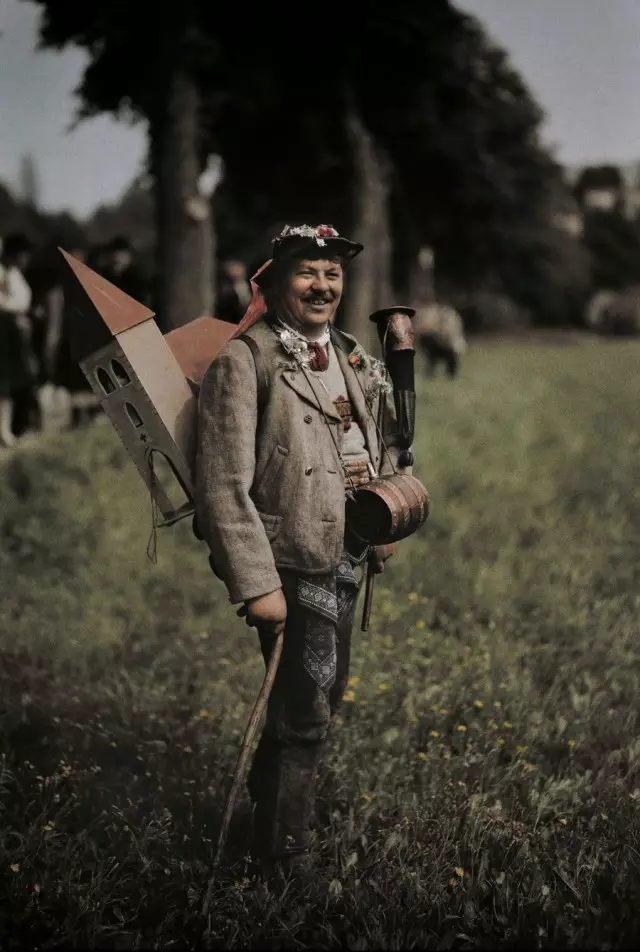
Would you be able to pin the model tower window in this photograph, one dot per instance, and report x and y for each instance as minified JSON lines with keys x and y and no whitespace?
{"x":120,"y":373}
{"x":105,"y":380}
{"x":167,"y":479}
{"x":133,"y":414}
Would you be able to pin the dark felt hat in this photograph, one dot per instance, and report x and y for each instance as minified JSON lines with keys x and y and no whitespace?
{"x":300,"y":240}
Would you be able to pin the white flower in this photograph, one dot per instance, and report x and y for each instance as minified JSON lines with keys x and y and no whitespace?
{"x":294,"y":344}
{"x":318,"y":234}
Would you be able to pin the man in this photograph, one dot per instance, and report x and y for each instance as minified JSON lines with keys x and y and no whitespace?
{"x":121,"y":269}
{"x":61,"y":370}
{"x":18,"y":368}
{"x":233,"y":291}
{"x":271,"y":479}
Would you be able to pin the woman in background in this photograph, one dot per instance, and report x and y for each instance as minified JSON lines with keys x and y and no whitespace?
{"x":18,"y":370}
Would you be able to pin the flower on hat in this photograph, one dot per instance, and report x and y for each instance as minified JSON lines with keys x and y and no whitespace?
{"x":318,"y":234}
{"x":326,"y":231}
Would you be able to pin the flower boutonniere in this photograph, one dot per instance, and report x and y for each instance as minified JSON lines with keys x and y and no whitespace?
{"x":375,"y":373}
{"x":294,"y":345}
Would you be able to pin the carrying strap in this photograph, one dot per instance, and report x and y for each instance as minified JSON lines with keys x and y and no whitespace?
{"x":261,"y":373}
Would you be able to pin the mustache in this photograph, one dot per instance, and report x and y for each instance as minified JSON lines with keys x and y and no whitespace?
{"x":319,"y":297}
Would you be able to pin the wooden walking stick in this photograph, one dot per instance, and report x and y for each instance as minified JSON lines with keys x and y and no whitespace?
{"x":243,"y":759}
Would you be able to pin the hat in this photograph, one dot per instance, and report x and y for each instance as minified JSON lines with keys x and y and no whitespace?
{"x":119,"y":243}
{"x":16,"y":244}
{"x":295,"y":240}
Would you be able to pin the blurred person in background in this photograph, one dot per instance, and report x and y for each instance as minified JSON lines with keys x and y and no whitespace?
{"x":233,"y":291}
{"x":60,"y":369}
{"x":121,"y":268}
{"x":18,"y":368}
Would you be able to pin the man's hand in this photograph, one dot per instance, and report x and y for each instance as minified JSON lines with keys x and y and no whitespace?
{"x":267,"y":612}
{"x":380,"y":556}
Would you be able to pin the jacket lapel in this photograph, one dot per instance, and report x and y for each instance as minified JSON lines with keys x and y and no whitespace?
{"x":363,"y":415}
{"x":309,"y":388}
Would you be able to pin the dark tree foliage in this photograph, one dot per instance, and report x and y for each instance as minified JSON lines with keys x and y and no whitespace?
{"x":470,"y":175}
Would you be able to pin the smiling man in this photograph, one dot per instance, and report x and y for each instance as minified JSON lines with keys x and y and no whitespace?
{"x":287,"y":426}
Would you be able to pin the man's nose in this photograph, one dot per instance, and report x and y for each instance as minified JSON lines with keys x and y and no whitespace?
{"x":320,"y":283}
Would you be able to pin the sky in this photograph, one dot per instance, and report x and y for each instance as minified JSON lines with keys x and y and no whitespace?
{"x":581,"y":59}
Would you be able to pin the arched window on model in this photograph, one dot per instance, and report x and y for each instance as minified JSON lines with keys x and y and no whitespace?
{"x":120,"y":373}
{"x":105,"y":380}
{"x":133,"y":414}
{"x":167,"y":480}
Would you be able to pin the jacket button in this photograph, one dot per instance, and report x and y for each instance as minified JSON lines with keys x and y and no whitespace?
{"x":308,"y":470}
{"x":308,"y":418}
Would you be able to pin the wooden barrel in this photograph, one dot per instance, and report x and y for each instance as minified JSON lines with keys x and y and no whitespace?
{"x":387,"y":509}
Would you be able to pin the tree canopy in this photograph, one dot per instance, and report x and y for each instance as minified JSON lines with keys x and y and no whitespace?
{"x":469,"y":173}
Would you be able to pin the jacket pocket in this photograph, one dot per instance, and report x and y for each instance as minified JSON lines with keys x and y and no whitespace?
{"x":271,"y":524}
{"x":274,"y":462}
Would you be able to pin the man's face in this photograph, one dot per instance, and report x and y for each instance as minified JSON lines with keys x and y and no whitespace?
{"x":235,"y":270}
{"x":23,"y":260}
{"x":310,"y":291}
{"x":121,"y":259}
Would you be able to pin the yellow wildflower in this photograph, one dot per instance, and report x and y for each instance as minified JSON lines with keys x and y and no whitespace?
{"x":500,"y":741}
{"x":413,"y":596}
{"x":443,"y":710}
{"x":459,"y":871}
{"x":349,"y":696}
{"x":521,"y":748}
{"x":421,"y":623}
{"x":434,"y":733}
{"x":530,"y":767}
{"x":15,"y":867}
{"x":423,"y":756}
{"x":353,"y":682}
{"x":434,"y":707}
{"x":383,"y":686}
{"x":447,"y":755}
{"x":461,"y":728}
{"x":478,"y":704}
{"x":507,"y":724}
{"x":493,"y":725}
{"x":572,"y":743}
{"x":367,"y":796}
{"x":413,"y":719}
{"x":497,"y":703}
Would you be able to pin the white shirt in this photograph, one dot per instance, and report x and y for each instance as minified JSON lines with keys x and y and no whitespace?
{"x":15,"y":293}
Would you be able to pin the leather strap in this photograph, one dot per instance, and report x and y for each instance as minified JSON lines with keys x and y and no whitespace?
{"x":261,"y":374}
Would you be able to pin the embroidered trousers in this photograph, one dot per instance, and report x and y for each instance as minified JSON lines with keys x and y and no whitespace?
{"x":309,"y":685}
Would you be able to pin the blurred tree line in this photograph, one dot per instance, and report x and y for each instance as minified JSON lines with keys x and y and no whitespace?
{"x":402,"y":124}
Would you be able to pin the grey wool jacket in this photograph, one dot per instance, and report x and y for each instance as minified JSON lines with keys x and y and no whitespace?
{"x":270,"y":495}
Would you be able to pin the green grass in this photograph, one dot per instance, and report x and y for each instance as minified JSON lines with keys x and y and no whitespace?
{"x":483,"y":784}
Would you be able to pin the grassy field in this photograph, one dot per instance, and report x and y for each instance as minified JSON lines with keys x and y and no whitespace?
{"x":483,"y":784}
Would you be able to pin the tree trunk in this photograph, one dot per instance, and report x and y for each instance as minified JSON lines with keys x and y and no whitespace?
{"x":185,"y":245}
{"x":369,"y":277}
